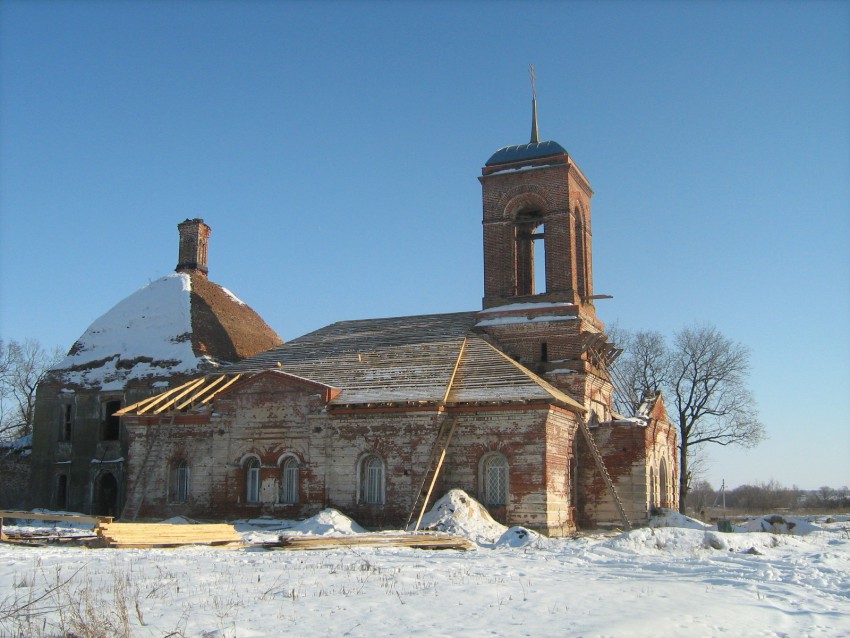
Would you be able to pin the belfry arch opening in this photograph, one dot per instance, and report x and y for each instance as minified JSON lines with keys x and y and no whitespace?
{"x":582,"y":270}
{"x":530,"y":253}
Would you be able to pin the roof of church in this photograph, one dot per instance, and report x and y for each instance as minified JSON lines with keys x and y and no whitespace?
{"x":182,"y":324}
{"x":534,"y":150}
{"x":419,"y":360}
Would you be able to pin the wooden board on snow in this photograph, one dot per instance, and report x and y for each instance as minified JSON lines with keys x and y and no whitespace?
{"x":415,"y":541}
{"x":145,"y":535}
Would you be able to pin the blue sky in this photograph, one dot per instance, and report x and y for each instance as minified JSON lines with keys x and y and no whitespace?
{"x":334,"y":149}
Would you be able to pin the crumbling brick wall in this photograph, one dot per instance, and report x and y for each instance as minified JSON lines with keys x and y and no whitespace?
{"x":268,"y":420}
{"x":16,"y":479}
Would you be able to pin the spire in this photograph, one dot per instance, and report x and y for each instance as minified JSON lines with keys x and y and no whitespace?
{"x":535,"y":134}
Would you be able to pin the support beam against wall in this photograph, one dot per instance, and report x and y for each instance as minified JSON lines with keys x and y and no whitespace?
{"x":600,"y":465}
{"x":436,"y":473}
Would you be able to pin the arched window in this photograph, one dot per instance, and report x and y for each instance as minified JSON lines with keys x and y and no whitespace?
{"x":494,"y":479}
{"x":530,"y":253}
{"x":252,"y":480}
{"x":371,"y":477}
{"x":651,"y":488}
{"x":662,"y":484}
{"x":289,"y":486}
{"x":581,"y":255}
{"x":178,"y":489}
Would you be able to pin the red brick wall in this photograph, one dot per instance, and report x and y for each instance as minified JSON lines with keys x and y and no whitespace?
{"x":559,"y":193}
{"x":268,"y":419}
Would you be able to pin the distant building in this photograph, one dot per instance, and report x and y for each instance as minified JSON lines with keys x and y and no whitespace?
{"x":511,"y":403}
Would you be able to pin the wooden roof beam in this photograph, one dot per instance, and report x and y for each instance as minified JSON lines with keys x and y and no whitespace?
{"x":191,"y":386}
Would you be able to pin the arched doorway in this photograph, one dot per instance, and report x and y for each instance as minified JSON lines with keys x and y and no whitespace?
{"x":105,"y":502}
{"x":662,"y":483}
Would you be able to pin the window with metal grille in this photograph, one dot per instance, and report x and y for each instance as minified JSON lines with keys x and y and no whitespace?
{"x":180,"y":482}
{"x":289,"y":481}
{"x":252,"y":480}
{"x":495,"y":476}
{"x":372,"y":481}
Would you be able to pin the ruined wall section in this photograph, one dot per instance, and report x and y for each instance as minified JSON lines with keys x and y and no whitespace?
{"x":662,"y":454}
{"x":266,"y":420}
{"x":82,"y":451}
{"x":561,"y":430}
{"x":623,"y":449}
{"x":16,"y":479}
{"x":519,"y":436}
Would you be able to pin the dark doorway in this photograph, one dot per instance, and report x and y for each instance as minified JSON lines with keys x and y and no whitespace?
{"x":106,"y":495}
{"x":61,"y":492}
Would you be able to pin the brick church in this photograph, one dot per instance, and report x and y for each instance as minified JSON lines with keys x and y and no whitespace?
{"x":377,"y":418}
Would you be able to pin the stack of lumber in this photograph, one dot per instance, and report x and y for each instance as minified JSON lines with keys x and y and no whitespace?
{"x":416,"y":541}
{"x":144,"y":535}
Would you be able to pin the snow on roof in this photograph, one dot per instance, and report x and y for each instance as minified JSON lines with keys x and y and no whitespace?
{"x":148,"y":334}
{"x":503,"y":321}
{"x":534,"y":305}
{"x":233,"y":297}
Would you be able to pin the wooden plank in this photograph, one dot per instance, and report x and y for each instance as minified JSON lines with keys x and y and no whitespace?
{"x":413,"y":541}
{"x":150,"y":401}
{"x":42,"y":516}
{"x":200,"y":392}
{"x":436,"y":473}
{"x":454,"y":372}
{"x":191,"y":387}
{"x":221,"y":389}
{"x":166,"y":534}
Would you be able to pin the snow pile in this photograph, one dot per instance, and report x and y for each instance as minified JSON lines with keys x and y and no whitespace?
{"x":265,"y":529}
{"x":179,"y":520}
{"x":327,"y":522}
{"x":147,"y":334}
{"x":680,"y":541}
{"x":522,"y":537}
{"x":459,"y":514}
{"x":648,"y":540}
{"x":776,"y":524}
{"x":672,"y":518}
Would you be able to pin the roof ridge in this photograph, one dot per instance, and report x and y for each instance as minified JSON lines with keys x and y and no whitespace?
{"x":556,"y":393}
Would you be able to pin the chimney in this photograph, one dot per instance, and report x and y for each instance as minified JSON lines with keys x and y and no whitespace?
{"x":194,"y":245}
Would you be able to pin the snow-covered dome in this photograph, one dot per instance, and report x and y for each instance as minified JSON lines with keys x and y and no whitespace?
{"x":181,"y":324}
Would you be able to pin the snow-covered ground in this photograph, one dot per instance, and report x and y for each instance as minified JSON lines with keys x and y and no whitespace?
{"x":677,"y":578}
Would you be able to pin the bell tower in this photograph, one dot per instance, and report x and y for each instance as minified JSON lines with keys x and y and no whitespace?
{"x":537,"y":239}
{"x":538,"y":276}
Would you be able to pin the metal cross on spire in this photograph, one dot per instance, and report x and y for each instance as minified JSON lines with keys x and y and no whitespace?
{"x":533,"y":78}
{"x":535,"y":134}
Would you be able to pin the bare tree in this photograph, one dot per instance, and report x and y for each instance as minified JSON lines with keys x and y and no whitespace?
{"x":703,"y":377}
{"x":22,"y":367}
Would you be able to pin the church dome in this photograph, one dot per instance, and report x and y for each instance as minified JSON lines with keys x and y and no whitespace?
{"x":182,"y":324}
{"x":524,"y":152}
